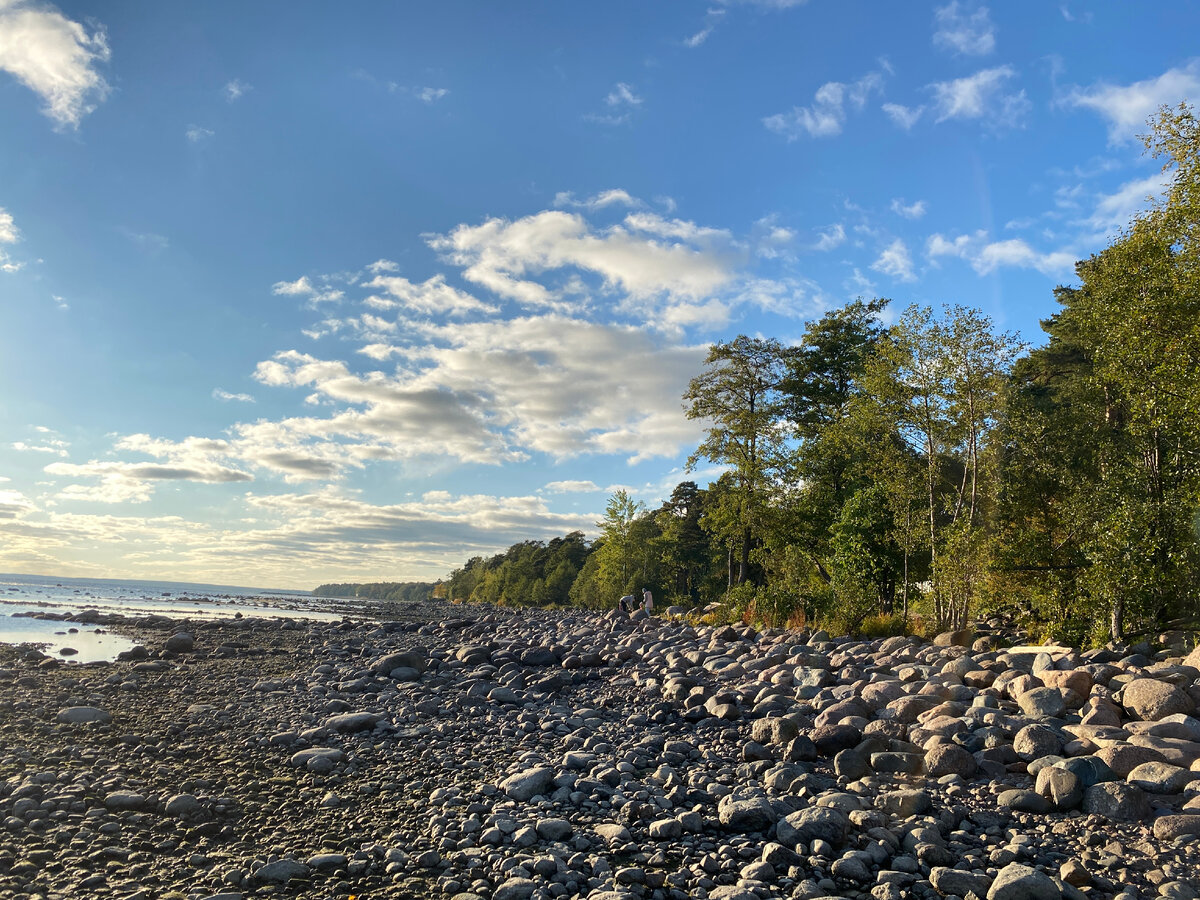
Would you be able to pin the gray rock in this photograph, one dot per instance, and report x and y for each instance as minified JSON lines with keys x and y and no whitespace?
{"x":84,"y":715}
{"x":515,"y":889}
{"x":1018,"y":882}
{"x":526,"y":785}
{"x":746,"y":814}
{"x":1042,"y":703}
{"x":1035,"y":741}
{"x":955,"y":881}
{"x":281,"y":871}
{"x":1060,"y":786}
{"x":348,"y":723}
{"x":1116,"y":801}
{"x":903,"y":804}
{"x":1167,"y":828}
{"x":1024,"y":801}
{"x":949,"y":759}
{"x":408,"y":659}
{"x":1150,"y":699}
{"x":815,"y":823}
{"x":119,"y":801}
{"x":182,"y":642}
{"x":554,"y":829}
{"x":183,"y":805}
{"x":1161,"y":777}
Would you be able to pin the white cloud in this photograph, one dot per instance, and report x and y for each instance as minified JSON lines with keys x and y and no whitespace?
{"x":13,"y":504}
{"x":302,"y":287}
{"x":54,"y":447}
{"x":219,"y":394}
{"x":572,"y":487}
{"x":488,"y":392}
{"x":671,"y":261}
{"x":235,"y":89}
{"x":964,"y":30}
{"x":859,"y":284}
{"x":1115,"y":211}
{"x":830,"y":237}
{"x":194,"y":459}
{"x":196,"y":133}
{"x":986,"y":256}
{"x":9,"y":234}
{"x":908,"y":211}
{"x":54,"y":57}
{"x":147,"y":240}
{"x":430,"y":94}
{"x":430,"y":297}
{"x":383,"y":265}
{"x":622,"y":94}
{"x":980,"y":95}
{"x":60,"y":302}
{"x":613,"y":197}
{"x":827,"y":114}
{"x":896,"y":262}
{"x":904,"y":117}
{"x":1127,"y":108}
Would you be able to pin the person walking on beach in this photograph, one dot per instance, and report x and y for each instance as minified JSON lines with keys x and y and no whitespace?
{"x":647,"y":601}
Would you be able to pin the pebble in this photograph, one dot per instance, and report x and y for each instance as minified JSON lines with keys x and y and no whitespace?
{"x":474,"y":752}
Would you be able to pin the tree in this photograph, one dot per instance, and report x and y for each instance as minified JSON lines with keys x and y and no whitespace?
{"x":823,"y":377}
{"x":737,"y":395}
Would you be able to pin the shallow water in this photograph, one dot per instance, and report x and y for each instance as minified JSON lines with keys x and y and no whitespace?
{"x":35,"y":593}
{"x":91,"y":643}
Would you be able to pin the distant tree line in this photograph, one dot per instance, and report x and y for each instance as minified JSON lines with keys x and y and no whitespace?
{"x":389,"y":591}
{"x":935,"y":468}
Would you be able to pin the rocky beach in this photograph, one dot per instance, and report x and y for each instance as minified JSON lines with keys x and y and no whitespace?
{"x":477,"y":752}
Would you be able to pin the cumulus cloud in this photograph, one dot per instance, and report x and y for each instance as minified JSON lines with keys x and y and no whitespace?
{"x":981,"y":95}
{"x":303,"y":287}
{"x":430,"y":297}
{"x":54,"y":57}
{"x":986,"y":256}
{"x":572,"y":487}
{"x":489,"y":392}
{"x":219,"y":394}
{"x":8,"y":235}
{"x":896,"y":262}
{"x":964,"y":29}
{"x":1128,"y":107}
{"x":646,"y":258}
{"x":322,"y":535}
{"x":827,"y":114}
{"x":52,"y":446}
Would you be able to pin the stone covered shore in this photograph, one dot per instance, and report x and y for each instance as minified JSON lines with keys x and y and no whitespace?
{"x":467,"y":752}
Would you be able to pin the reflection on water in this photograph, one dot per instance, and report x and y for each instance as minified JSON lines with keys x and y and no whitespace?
{"x":91,"y":644}
{"x":51,"y":594}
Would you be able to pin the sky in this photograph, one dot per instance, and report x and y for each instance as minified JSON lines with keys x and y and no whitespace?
{"x":294,"y":293}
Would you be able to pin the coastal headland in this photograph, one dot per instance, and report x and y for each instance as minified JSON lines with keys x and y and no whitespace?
{"x":479,"y":752}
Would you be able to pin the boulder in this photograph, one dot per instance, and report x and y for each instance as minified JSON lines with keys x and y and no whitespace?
{"x":1116,"y":801}
{"x":1150,"y":699}
{"x":84,"y":715}
{"x":1018,"y":882}
{"x":524,"y":786}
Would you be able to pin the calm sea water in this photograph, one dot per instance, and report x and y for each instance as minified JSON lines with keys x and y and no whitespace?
{"x":51,"y":593}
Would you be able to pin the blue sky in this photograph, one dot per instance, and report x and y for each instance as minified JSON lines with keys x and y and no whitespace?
{"x":293,"y":293}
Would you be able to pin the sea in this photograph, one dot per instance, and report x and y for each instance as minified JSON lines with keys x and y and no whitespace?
{"x":23,"y":596}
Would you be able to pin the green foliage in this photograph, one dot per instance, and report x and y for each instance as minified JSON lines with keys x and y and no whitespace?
{"x":389,"y":591}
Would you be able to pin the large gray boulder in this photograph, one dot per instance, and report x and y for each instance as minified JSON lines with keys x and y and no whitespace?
{"x":1116,"y":802}
{"x":1018,"y":882}
{"x":524,"y":786}
{"x":84,"y":715}
{"x":808,"y":825}
{"x":1150,"y":699}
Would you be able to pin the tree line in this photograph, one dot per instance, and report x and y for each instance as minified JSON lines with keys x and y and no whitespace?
{"x":879,"y":477}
